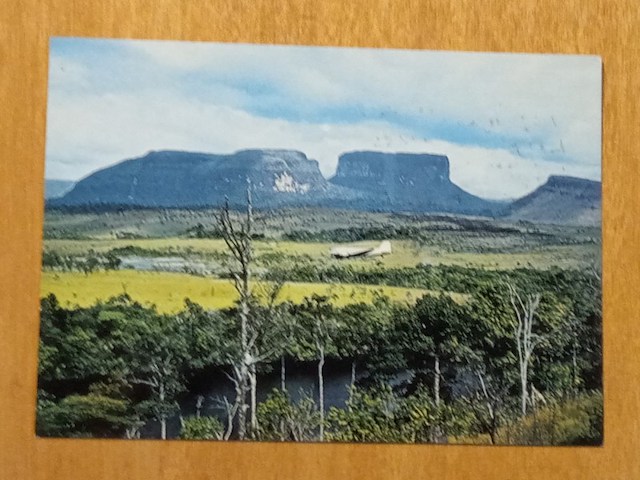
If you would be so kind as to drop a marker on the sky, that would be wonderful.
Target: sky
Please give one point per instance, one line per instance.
(506, 121)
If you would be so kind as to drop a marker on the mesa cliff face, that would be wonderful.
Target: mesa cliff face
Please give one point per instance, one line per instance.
(185, 179)
(367, 181)
(408, 181)
(371, 181)
(391, 172)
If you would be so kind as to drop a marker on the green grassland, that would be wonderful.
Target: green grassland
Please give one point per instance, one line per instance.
(308, 234)
(440, 240)
(405, 253)
(168, 290)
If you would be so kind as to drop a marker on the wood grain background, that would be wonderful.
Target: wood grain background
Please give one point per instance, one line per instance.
(608, 28)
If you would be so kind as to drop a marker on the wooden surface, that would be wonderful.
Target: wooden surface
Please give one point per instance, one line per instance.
(608, 28)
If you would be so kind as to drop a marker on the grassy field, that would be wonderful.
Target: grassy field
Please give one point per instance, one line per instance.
(460, 241)
(405, 253)
(168, 290)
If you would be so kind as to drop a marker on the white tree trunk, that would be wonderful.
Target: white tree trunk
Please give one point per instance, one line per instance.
(253, 381)
(526, 340)
(353, 376)
(490, 410)
(436, 380)
(525, 393)
(163, 418)
(242, 403)
(163, 428)
(321, 392)
(574, 364)
(283, 373)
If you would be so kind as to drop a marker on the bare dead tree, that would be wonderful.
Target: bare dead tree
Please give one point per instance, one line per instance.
(485, 395)
(302, 419)
(256, 344)
(524, 309)
(239, 242)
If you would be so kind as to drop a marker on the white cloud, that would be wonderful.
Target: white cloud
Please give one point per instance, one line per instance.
(555, 98)
(88, 132)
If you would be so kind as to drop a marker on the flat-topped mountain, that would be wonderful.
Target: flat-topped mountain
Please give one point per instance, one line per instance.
(185, 179)
(408, 181)
(561, 200)
(370, 181)
(366, 181)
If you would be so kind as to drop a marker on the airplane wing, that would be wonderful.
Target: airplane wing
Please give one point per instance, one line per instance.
(383, 249)
(350, 252)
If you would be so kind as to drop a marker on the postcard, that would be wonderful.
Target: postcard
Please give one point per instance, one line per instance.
(311, 244)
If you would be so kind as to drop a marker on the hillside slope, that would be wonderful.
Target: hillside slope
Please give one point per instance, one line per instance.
(561, 200)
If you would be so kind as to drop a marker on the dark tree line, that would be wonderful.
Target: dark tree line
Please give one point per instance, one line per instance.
(452, 278)
(88, 263)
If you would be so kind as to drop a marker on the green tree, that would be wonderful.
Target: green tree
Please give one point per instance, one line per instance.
(316, 318)
(89, 415)
(369, 416)
(439, 334)
(158, 353)
(357, 331)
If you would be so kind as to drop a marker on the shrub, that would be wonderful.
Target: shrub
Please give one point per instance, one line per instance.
(85, 416)
(369, 417)
(201, 428)
(576, 421)
(280, 419)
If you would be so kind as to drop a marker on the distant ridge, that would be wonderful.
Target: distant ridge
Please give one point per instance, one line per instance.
(561, 200)
(364, 180)
(57, 188)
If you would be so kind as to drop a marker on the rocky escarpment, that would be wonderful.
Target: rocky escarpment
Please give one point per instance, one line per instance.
(561, 200)
(408, 181)
(370, 181)
(367, 181)
(185, 179)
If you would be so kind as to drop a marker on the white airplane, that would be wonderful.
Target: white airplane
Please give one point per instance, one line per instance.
(352, 252)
